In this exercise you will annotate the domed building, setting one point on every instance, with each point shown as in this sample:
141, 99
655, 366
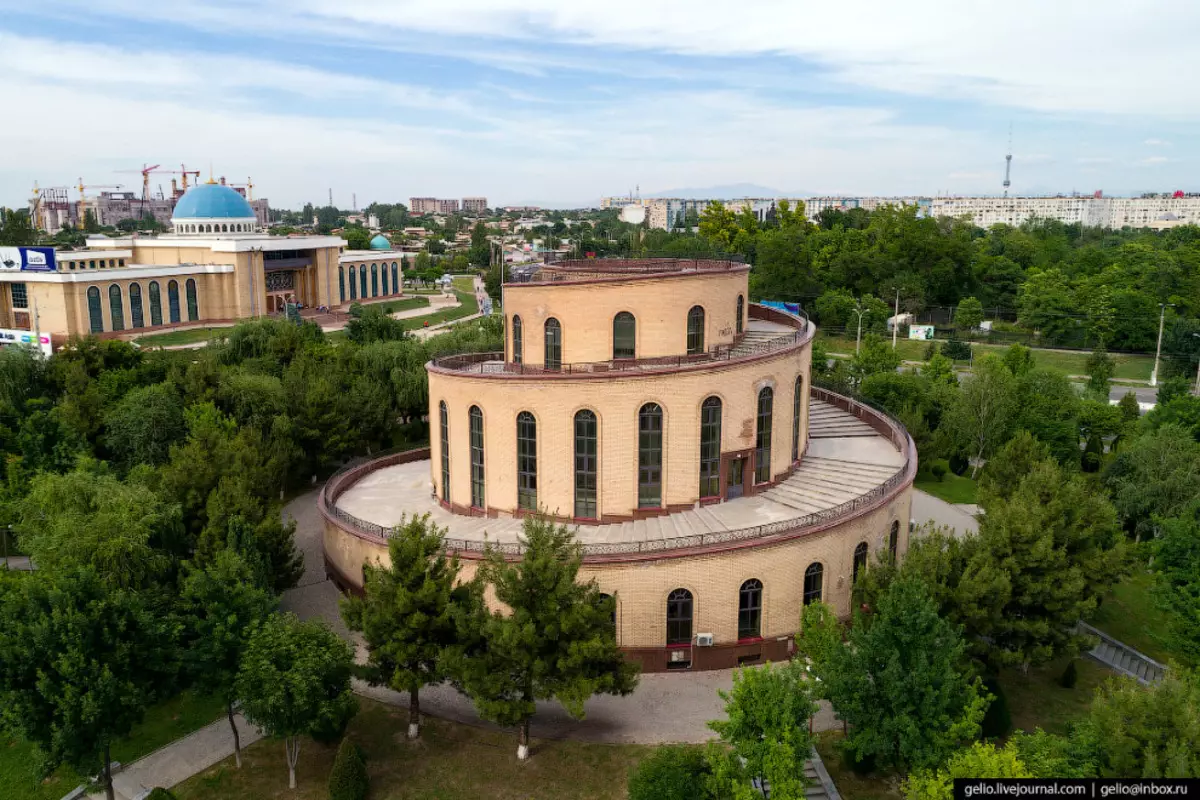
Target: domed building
380, 242
715, 489
216, 265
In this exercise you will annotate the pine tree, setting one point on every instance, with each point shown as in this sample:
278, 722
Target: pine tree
556, 640
408, 613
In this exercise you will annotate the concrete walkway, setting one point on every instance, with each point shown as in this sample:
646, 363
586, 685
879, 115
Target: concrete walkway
927, 508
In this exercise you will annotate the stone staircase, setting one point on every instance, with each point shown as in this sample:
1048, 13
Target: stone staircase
822, 483
826, 421
754, 339
820, 785
1122, 658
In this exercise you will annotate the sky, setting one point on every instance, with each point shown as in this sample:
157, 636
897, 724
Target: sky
559, 102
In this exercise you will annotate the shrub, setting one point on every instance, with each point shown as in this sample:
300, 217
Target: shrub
160, 793
938, 470
957, 350
348, 779
859, 765
959, 464
671, 772
1069, 677
931, 350
331, 728
997, 721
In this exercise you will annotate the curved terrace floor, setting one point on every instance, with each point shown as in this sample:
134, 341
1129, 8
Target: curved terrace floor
846, 458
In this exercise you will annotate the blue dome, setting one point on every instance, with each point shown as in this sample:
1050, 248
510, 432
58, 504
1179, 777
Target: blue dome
380, 242
212, 201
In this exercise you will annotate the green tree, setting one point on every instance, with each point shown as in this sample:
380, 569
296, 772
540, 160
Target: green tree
294, 680
410, 613
1012, 462
357, 237
977, 761
557, 641
1048, 407
1153, 478
981, 418
901, 682
1019, 359
1100, 369
480, 252
671, 772
940, 370
767, 728
220, 606
1046, 304
16, 228
80, 662
141, 428
1177, 588
875, 356
1100, 316
1147, 732
348, 780
969, 314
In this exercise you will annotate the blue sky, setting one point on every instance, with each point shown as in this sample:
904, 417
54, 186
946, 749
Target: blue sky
562, 101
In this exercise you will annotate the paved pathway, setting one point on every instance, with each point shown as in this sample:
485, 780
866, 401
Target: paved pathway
926, 507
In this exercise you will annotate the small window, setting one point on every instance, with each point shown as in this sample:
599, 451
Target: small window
679, 617
860, 561
135, 306
155, 304
444, 425
353, 284
192, 303
553, 355
173, 301
475, 416
341, 284
95, 316
894, 539
624, 335
741, 314
92, 263
518, 353
797, 408
695, 331
120, 262
750, 609
20, 295
812, 583
116, 307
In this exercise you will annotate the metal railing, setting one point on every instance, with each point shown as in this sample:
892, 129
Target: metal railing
892, 429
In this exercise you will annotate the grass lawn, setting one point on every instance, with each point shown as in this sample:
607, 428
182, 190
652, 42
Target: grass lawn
191, 336
951, 488
464, 283
1130, 615
449, 762
404, 304
163, 724
468, 305
851, 785
1037, 701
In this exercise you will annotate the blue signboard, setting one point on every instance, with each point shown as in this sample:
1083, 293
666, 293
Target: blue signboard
791, 308
27, 259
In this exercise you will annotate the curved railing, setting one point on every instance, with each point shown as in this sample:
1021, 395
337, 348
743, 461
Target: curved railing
876, 496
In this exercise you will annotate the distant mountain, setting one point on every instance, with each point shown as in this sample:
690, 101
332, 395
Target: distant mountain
729, 190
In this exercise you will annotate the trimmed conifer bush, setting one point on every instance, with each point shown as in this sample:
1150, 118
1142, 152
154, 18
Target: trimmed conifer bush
348, 780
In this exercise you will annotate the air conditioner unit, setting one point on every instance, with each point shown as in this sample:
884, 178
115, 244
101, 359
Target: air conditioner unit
704, 639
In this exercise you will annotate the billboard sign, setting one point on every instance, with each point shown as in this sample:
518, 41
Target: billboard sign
923, 332
10, 338
27, 259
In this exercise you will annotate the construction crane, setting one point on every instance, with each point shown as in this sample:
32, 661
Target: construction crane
83, 200
146, 171
248, 186
47, 199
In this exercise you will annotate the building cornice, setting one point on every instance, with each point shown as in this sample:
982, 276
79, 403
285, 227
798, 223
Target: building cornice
116, 273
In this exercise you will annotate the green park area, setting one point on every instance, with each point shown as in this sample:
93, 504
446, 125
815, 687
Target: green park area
949, 487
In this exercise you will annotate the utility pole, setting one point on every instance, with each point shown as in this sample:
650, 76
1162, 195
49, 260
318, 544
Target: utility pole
1197, 335
858, 309
896, 320
1162, 317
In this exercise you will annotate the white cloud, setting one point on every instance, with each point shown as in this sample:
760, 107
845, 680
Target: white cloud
1153, 161
1094, 160
1156, 143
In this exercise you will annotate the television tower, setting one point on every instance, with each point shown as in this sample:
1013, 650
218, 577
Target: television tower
1008, 163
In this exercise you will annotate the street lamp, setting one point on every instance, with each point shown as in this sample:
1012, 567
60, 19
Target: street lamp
858, 309
1162, 317
1197, 388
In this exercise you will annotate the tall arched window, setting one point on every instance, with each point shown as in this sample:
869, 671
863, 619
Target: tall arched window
518, 354
650, 436
586, 463
353, 283
797, 398
136, 317
679, 617
173, 301
395, 278
741, 314
341, 284
192, 303
444, 426
624, 335
116, 307
894, 539
155, 304
362, 281
526, 461
553, 357
477, 478
383, 281
710, 447
95, 315
374, 280
860, 561
812, 582
750, 609
762, 440
695, 331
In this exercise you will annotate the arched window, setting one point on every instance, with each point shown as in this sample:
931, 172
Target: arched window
362, 281
518, 353
155, 304
586, 458
526, 461
812, 583
650, 436
860, 561
374, 280
679, 617
173, 301
695, 331
762, 440
476, 434
395, 278
553, 357
136, 317
95, 315
444, 425
624, 335
353, 283
116, 307
894, 539
797, 399
193, 307
710, 447
341, 284
383, 281
607, 600
741, 314
750, 609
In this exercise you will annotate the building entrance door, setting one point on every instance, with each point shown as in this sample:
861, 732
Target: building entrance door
735, 478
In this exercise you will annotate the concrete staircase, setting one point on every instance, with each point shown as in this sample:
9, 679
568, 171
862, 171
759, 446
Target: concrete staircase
826, 421
1122, 658
754, 338
822, 483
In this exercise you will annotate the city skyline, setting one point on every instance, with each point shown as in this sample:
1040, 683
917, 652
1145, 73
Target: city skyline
530, 103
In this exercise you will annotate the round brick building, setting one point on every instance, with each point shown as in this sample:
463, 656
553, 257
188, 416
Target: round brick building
650, 404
